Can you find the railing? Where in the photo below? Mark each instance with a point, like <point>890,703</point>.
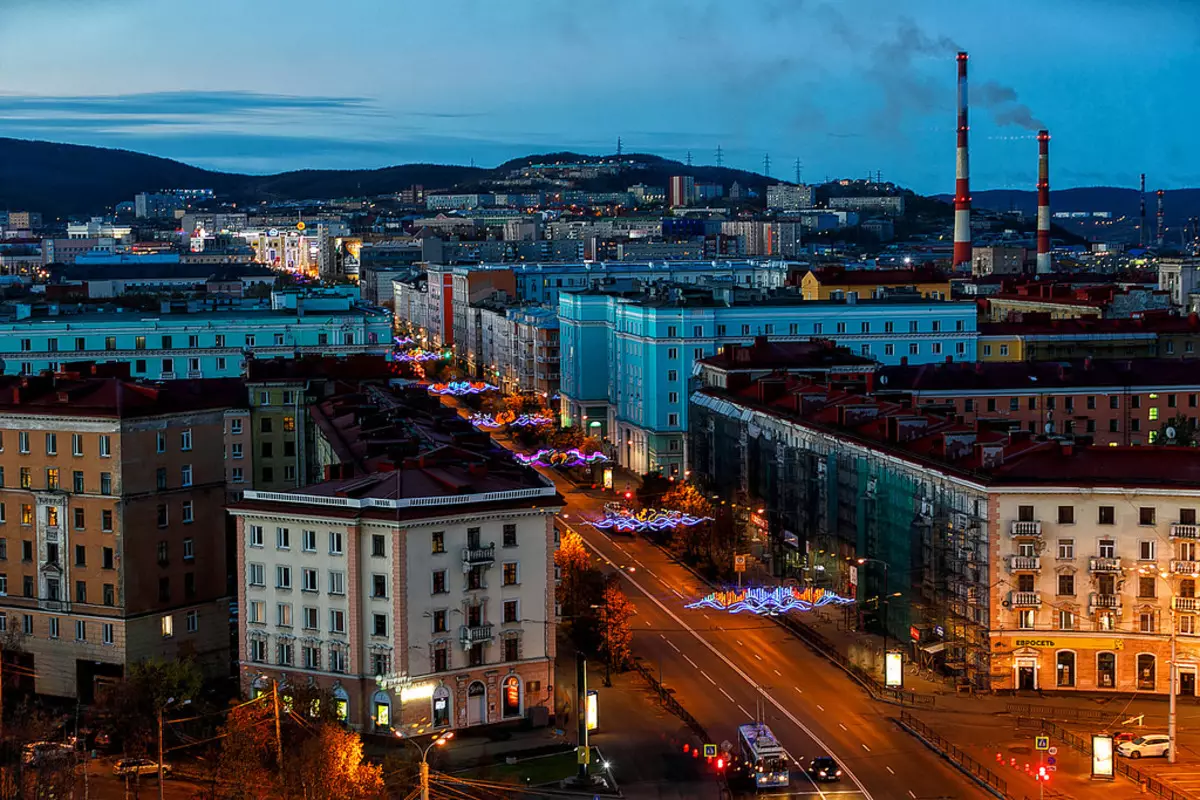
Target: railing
<point>1147,782</point>
<point>1105,601</point>
<point>1024,599</point>
<point>1104,565</point>
<point>474,634</point>
<point>1026,528</point>
<point>376,502</point>
<point>1181,531</point>
<point>1185,603</point>
<point>969,766</point>
<point>1066,714</point>
<point>1024,563</point>
<point>1185,567</point>
<point>479,555</point>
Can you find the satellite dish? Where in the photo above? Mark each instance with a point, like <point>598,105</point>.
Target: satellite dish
<point>883,380</point>
<point>1170,432</point>
<point>1049,427</point>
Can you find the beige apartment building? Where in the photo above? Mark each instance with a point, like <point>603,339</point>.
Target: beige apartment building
<point>112,525</point>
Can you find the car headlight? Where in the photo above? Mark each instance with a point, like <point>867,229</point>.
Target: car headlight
<point>822,773</point>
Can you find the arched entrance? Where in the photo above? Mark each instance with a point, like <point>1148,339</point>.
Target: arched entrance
<point>510,696</point>
<point>476,704</point>
<point>441,707</point>
<point>381,711</point>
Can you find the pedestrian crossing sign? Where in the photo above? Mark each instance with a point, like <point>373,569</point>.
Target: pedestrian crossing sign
<point>710,751</point>
<point>1041,742</point>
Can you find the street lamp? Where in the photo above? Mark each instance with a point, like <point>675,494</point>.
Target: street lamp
<point>161,709</point>
<point>1173,670</point>
<point>603,609</point>
<point>884,594</point>
<point>440,741</point>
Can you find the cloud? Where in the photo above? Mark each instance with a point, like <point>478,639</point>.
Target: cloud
<point>181,103</point>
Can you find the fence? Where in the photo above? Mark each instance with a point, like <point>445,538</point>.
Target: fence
<point>826,648</point>
<point>976,771</point>
<point>1064,714</point>
<point>1083,745</point>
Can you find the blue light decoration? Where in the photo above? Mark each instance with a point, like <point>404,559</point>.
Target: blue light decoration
<point>560,458</point>
<point>404,341</point>
<point>769,601</point>
<point>531,420</point>
<point>645,520</point>
<point>460,388</point>
<point>418,354</point>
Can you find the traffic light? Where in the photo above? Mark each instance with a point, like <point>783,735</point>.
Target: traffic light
<point>720,764</point>
<point>1043,774</point>
<point>629,495</point>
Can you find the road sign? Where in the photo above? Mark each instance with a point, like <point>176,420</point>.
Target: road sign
<point>739,563</point>
<point>710,751</point>
<point>1041,742</point>
<point>1053,751</point>
<point>1052,768</point>
<point>1052,760</point>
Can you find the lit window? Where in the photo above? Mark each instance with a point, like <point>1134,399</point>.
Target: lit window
<point>168,626</point>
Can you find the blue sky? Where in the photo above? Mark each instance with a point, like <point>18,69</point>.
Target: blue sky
<point>847,87</point>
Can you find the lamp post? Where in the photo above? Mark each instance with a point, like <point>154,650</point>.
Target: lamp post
<point>161,709</point>
<point>1173,669</point>
<point>440,741</point>
<point>884,594</point>
<point>603,609</point>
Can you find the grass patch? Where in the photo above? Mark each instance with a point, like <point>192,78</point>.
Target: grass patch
<point>535,771</point>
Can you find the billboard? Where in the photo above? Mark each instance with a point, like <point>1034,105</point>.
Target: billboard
<point>893,670</point>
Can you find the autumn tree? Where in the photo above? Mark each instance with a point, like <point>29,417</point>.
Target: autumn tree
<point>329,766</point>
<point>244,766</point>
<point>573,564</point>
<point>149,687</point>
<point>616,632</point>
<point>689,539</point>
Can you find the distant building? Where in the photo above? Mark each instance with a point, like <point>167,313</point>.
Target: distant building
<point>1180,277</point>
<point>451,202</point>
<point>65,251</point>
<point>98,228</point>
<point>997,260</point>
<point>709,191</point>
<point>20,220</point>
<point>778,239</point>
<point>832,283</point>
<point>681,191</point>
<point>786,197</point>
<point>157,206</point>
<point>878,228</point>
<point>890,205</point>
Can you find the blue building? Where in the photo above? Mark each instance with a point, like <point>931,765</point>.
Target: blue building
<point>628,357</point>
<point>193,340</point>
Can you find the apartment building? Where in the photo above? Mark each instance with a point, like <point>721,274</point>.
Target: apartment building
<point>829,283</point>
<point>422,594</point>
<point>112,525</point>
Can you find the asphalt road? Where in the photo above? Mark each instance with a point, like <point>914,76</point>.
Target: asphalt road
<point>726,669</point>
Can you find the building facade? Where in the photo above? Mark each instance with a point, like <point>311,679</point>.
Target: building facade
<point>410,605</point>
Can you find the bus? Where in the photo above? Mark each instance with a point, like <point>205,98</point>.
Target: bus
<point>764,756</point>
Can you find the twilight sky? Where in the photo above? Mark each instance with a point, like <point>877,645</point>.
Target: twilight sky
<point>847,86</point>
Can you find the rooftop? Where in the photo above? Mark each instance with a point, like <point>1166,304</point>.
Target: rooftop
<point>765,354</point>
<point>1038,376</point>
<point>874,277</point>
<point>75,392</point>
<point>1040,324</point>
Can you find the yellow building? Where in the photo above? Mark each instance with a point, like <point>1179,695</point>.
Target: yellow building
<point>1001,347</point>
<point>831,283</point>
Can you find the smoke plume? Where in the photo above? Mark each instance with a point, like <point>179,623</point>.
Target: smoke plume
<point>1002,103</point>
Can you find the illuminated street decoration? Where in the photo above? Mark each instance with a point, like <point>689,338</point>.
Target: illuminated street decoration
<point>777,600</point>
<point>460,388</point>
<point>560,458</point>
<point>529,420</point>
<point>420,354</point>
<point>489,422</point>
<point>404,341</point>
<point>647,519</point>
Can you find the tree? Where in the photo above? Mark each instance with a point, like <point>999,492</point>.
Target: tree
<point>1184,430</point>
<point>687,498</point>
<point>616,636</point>
<point>573,563</point>
<point>330,766</point>
<point>247,748</point>
<point>149,687</point>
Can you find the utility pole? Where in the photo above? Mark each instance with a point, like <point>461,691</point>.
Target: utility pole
<point>581,709</point>
<point>618,147</point>
<point>720,156</point>
<point>160,753</point>
<point>424,779</point>
<point>278,737</point>
<point>689,158</point>
<point>767,164</point>
<point>797,172</point>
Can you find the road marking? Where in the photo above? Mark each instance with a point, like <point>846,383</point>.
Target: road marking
<point>727,697</point>
<point>820,706</point>
<point>661,636</point>
<point>745,713</point>
<point>706,616</point>
<point>640,564</point>
<point>910,794</point>
<point>677,594</point>
<point>647,622</point>
<point>798,689</point>
<point>777,672</point>
<point>756,655</point>
<point>843,727</point>
<point>892,771</point>
<point>739,641</point>
<point>673,647</point>
<point>647,569</point>
<point>710,680</point>
<point>792,717</point>
<point>693,663</point>
<point>866,748</point>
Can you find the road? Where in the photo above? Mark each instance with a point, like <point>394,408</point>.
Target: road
<point>724,668</point>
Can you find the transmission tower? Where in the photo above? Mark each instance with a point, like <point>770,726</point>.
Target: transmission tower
<point>720,156</point>
<point>618,147</point>
<point>798,171</point>
<point>689,158</point>
<point>767,164</point>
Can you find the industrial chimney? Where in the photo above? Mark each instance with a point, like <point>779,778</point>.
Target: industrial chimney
<point>962,182</point>
<point>1044,265</point>
<point>1142,201</point>
<point>1161,217</point>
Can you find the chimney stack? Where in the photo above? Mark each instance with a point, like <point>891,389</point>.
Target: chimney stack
<point>962,182</point>
<point>1142,202</point>
<point>1044,264</point>
<point>1161,217</point>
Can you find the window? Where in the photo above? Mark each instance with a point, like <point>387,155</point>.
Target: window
<point>23,441</point>
<point>26,514</point>
<point>1066,515</point>
<point>77,481</point>
<point>440,625</point>
<point>337,582</point>
<point>672,353</point>
<point>168,626</point>
<point>160,478</point>
<point>914,349</point>
<point>337,621</point>
<point>256,536</point>
<point>1025,619</point>
<point>936,348</point>
<point>283,615</point>
<point>441,658</point>
<point>106,483</point>
<point>510,574</point>
<point>310,618</point>
<point>335,543</point>
<point>672,375</point>
<point>672,420</point>
<point>189,550</point>
<point>163,515</point>
<point>312,656</point>
<point>258,650</point>
<point>107,557</point>
<point>439,582</point>
<point>1146,515</point>
<point>26,478</point>
<point>27,586</point>
<point>672,397</point>
<point>1146,586</point>
<point>27,624</point>
<point>1065,668</point>
<point>309,580</point>
<point>193,623</point>
<point>164,590</point>
<point>283,539</point>
<point>80,556</point>
<point>511,612</point>
<point>51,444</point>
<point>1186,622</point>
<point>512,652</point>
<point>187,515</point>
<point>889,349</point>
<point>238,475</point>
<point>379,624</point>
<point>379,586</point>
<point>1108,548</point>
<point>237,450</point>
<point>185,475</point>
<point>308,541</point>
<point>283,577</point>
<point>105,446</point>
<point>110,594</point>
<point>1066,585</point>
<point>107,632</point>
<point>54,627</point>
<point>1107,516</point>
<point>510,535</point>
<point>1066,549</point>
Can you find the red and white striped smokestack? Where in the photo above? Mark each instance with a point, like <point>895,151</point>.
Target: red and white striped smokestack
<point>962,181</point>
<point>1044,265</point>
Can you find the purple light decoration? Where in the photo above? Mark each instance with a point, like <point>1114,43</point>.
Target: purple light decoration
<point>652,520</point>
<point>460,388</point>
<point>404,341</point>
<point>526,420</point>
<point>777,600</point>
<point>420,355</point>
<point>484,421</point>
<point>560,458</point>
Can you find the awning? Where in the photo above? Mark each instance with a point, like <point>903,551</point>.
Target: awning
<point>936,647</point>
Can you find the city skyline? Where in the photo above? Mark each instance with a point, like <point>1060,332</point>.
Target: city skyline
<point>848,91</point>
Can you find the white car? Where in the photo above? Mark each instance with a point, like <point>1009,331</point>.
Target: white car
<point>1155,744</point>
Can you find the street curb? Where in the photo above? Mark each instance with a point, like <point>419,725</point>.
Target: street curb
<point>946,757</point>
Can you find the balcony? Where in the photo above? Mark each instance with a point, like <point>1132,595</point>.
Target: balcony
<point>1024,564</point>
<point>53,604</point>
<point>1104,565</point>
<point>1185,567</point>
<point>479,556</point>
<point>1026,528</point>
<point>167,376</point>
<point>471,635</point>
<point>1185,603</point>
<point>1104,601</point>
<point>1180,531</point>
<point>1024,599</point>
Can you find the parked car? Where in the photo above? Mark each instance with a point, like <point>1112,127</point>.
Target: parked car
<point>1155,744</point>
<point>139,766</point>
<point>1123,736</point>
